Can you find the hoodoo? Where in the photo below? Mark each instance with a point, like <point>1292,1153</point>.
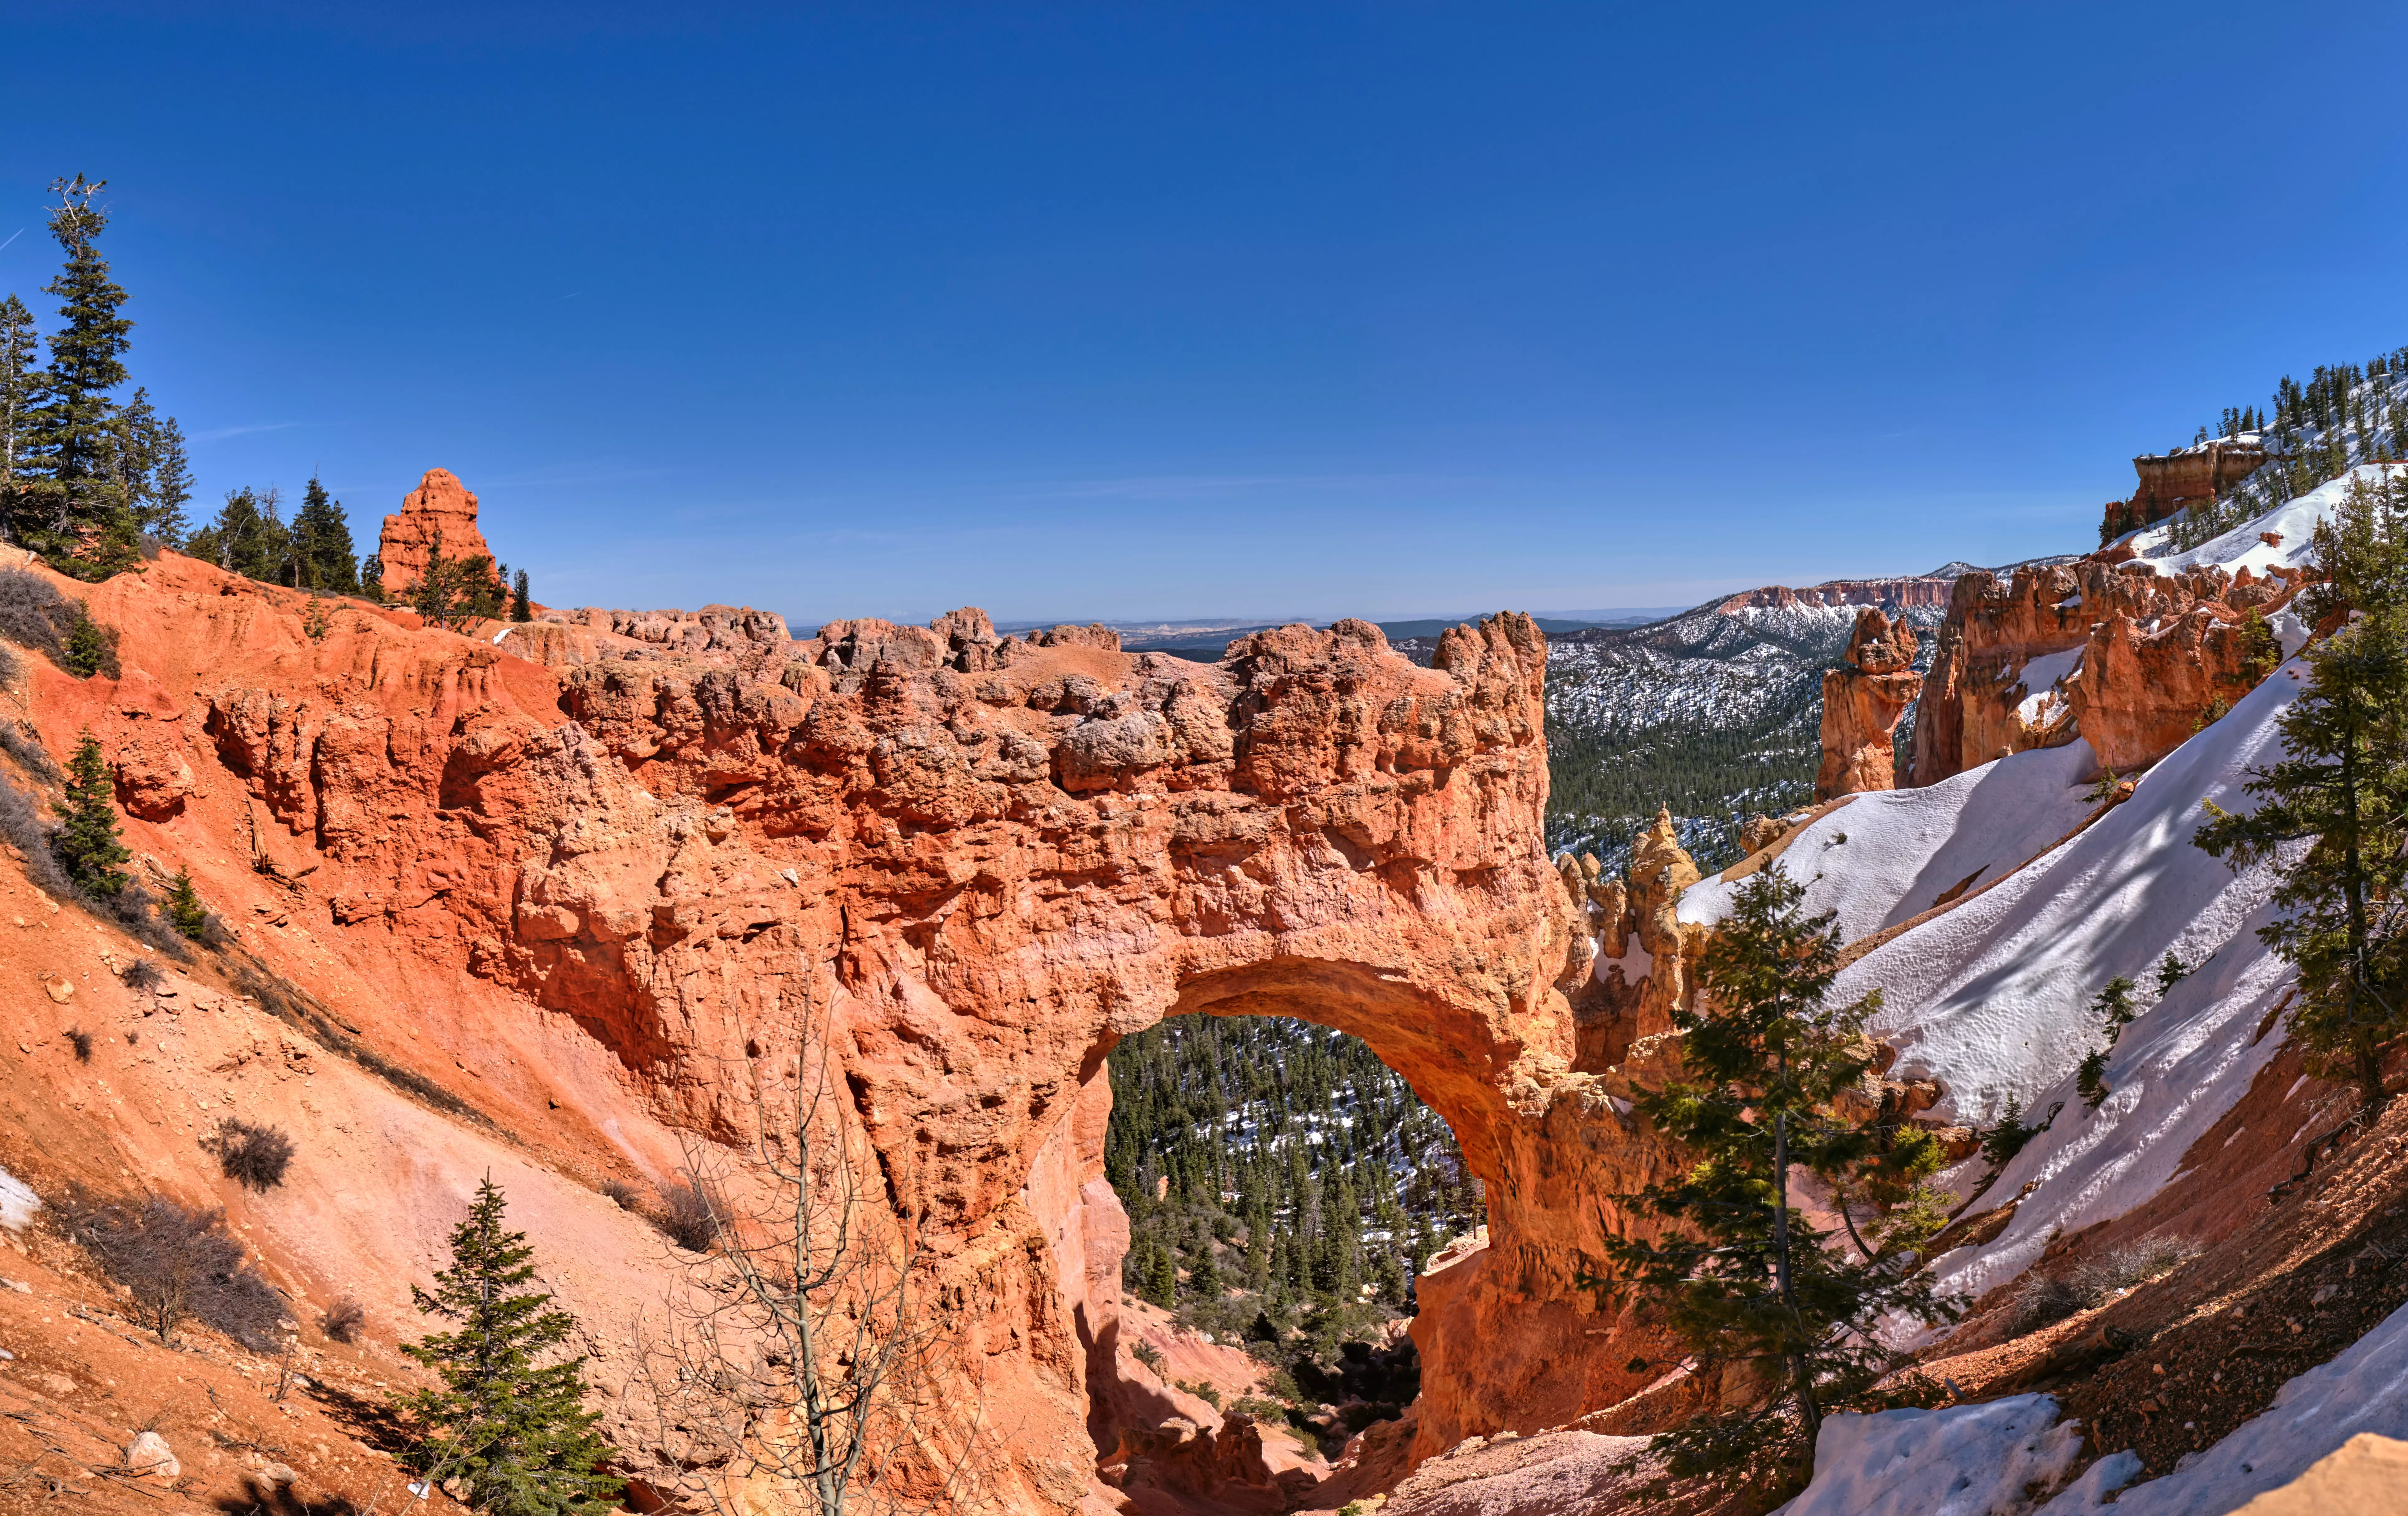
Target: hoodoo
<point>439,504</point>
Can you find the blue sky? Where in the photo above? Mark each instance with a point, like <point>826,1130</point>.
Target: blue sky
<point>1165,310</point>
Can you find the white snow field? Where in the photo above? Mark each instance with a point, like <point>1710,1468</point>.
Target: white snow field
<point>1888,856</point>
<point>1992,998</point>
<point>2246,546</point>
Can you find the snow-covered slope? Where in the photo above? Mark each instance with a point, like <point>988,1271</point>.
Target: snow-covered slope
<point>2292,524</point>
<point>1885,857</point>
<point>1992,998</point>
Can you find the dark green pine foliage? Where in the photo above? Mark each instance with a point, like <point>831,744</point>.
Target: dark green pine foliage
<point>86,841</point>
<point>20,392</point>
<point>2115,1009</point>
<point>2342,788</point>
<point>521,604</point>
<point>184,908</point>
<point>322,554</point>
<point>249,537</point>
<point>514,1429</point>
<point>152,470</point>
<point>91,649</point>
<point>1740,1275</point>
<point>1284,1186</point>
<point>75,508</point>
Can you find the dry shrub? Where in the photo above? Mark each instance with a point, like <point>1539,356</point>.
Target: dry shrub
<point>254,1157</point>
<point>343,1319</point>
<point>177,1263</point>
<point>34,615</point>
<point>20,741</point>
<point>690,1214</point>
<point>82,1041</point>
<point>2047,1299</point>
<point>621,1193</point>
<point>142,974</point>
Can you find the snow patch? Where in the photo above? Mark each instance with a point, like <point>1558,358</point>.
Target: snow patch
<point>2363,1390</point>
<point>2294,522</point>
<point>1960,1461</point>
<point>18,1201</point>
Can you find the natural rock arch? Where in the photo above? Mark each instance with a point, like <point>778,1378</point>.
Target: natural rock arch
<point>988,859</point>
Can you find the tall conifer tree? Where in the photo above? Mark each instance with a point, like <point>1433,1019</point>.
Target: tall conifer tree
<point>322,543</point>
<point>72,494</point>
<point>20,393</point>
<point>1742,1278</point>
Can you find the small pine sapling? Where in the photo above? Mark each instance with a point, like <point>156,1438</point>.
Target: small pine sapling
<point>2002,1142</point>
<point>184,907</point>
<point>86,842</point>
<point>2171,972</point>
<point>2115,1009</point>
<point>315,620</point>
<point>521,605</point>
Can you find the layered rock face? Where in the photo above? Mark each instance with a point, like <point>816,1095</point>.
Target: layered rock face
<point>2157,655</point>
<point>439,504</point>
<point>2169,481</point>
<point>1862,704</point>
<point>1915,590</point>
<point>987,859</point>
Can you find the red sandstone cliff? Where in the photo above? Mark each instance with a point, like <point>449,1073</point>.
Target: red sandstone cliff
<point>2158,654</point>
<point>2170,481</point>
<point>1911,590</point>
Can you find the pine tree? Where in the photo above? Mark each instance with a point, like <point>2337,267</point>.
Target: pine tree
<point>521,605</point>
<point>89,647</point>
<point>2171,972</point>
<point>86,841</point>
<point>249,537</point>
<point>1742,1278</point>
<point>2342,787</point>
<point>1161,1284</point>
<point>71,496</point>
<point>20,391</point>
<point>322,543</point>
<point>516,1431</point>
<point>158,476</point>
<point>184,908</point>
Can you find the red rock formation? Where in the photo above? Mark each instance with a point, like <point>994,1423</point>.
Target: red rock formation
<point>2169,481</point>
<point>1912,590</point>
<point>989,858</point>
<point>1862,704</point>
<point>439,504</point>
<point>2158,654</point>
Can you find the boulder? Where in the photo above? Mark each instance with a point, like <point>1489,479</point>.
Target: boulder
<point>149,1455</point>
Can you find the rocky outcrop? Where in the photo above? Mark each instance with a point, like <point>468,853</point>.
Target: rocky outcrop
<point>439,504</point>
<point>2145,659</point>
<point>1862,703</point>
<point>737,637</point>
<point>1910,590</point>
<point>2170,481</point>
<point>987,859</point>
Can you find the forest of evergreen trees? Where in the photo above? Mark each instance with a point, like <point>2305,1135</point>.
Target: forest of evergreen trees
<point>96,480</point>
<point>1284,1188</point>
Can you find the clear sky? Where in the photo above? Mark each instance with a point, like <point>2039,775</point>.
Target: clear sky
<point>1132,310</point>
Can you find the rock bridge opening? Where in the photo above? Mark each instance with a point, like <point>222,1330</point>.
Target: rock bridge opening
<point>1286,1190</point>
